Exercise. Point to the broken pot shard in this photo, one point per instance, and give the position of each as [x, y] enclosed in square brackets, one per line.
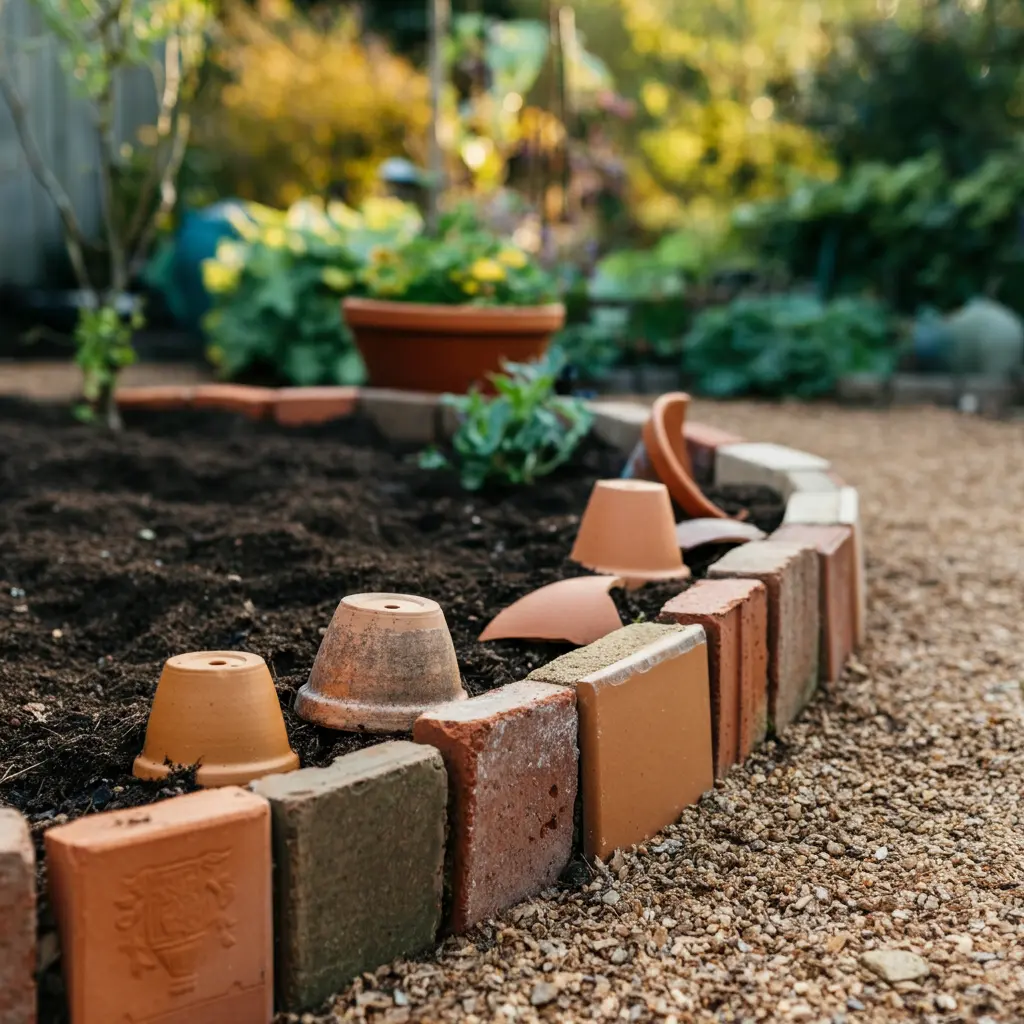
[692, 533]
[218, 710]
[577, 611]
[661, 455]
[384, 660]
[628, 530]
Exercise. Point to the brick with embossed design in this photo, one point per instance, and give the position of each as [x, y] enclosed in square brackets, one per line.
[164, 912]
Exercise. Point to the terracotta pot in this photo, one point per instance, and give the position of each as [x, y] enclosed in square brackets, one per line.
[628, 530]
[662, 455]
[217, 709]
[417, 347]
[694, 533]
[577, 610]
[384, 660]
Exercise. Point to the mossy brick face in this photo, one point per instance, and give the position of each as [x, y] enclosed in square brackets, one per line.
[164, 911]
[644, 707]
[359, 857]
[734, 614]
[513, 767]
[837, 563]
[17, 921]
[790, 573]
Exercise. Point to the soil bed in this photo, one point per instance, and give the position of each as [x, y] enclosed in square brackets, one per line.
[205, 532]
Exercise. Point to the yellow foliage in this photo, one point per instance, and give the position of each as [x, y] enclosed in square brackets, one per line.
[305, 108]
[487, 271]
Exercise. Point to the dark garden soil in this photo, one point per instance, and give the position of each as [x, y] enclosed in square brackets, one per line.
[206, 532]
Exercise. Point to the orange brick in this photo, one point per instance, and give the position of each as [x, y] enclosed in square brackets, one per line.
[156, 396]
[837, 564]
[164, 912]
[734, 614]
[249, 401]
[645, 729]
[298, 407]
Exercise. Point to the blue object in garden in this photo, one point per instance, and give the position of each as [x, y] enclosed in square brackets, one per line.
[176, 271]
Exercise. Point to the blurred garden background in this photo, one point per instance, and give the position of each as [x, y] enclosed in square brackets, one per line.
[744, 197]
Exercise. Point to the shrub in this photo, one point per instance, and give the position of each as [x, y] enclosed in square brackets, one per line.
[466, 264]
[523, 432]
[277, 293]
[786, 345]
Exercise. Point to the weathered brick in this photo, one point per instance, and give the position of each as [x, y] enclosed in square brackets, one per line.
[512, 766]
[359, 856]
[298, 407]
[411, 417]
[734, 614]
[790, 572]
[838, 508]
[762, 463]
[837, 578]
[702, 443]
[619, 424]
[644, 706]
[241, 398]
[156, 396]
[17, 920]
[801, 481]
[164, 912]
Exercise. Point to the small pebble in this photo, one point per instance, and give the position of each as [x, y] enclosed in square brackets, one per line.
[146, 534]
[611, 897]
[57, 634]
[795, 812]
[543, 993]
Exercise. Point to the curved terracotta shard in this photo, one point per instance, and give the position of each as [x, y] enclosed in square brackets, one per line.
[665, 450]
[692, 533]
[384, 660]
[578, 611]
[628, 530]
[218, 710]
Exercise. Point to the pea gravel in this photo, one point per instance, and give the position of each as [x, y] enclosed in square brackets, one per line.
[889, 820]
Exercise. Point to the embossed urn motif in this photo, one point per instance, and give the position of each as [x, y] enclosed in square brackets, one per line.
[170, 912]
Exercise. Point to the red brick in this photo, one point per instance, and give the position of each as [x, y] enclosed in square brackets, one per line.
[156, 396]
[241, 398]
[297, 407]
[164, 912]
[645, 729]
[837, 562]
[734, 614]
[790, 572]
[702, 441]
[17, 921]
[512, 766]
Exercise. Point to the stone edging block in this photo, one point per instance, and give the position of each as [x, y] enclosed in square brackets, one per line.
[17, 920]
[645, 729]
[358, 861]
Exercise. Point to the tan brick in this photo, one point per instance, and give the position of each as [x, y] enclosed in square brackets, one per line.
[410, 417]
[17, 920]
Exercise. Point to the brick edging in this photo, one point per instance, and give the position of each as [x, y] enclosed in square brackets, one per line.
[733, 656]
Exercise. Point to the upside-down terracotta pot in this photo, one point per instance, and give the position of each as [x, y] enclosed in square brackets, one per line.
[661, 455]
[384, 660]
[418, 347]
[578, 610]
[218, 710]
[628, 530]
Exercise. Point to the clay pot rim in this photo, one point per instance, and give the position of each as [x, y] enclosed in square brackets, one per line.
[214, 775]
[452, 319]
[350, 715]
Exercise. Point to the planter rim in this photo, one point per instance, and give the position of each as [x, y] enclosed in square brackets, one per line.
[412, 316]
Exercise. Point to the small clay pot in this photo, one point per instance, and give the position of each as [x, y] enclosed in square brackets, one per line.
[628, 530]
[413, 346]
[384, 660]
[578, 610]
[218, 710]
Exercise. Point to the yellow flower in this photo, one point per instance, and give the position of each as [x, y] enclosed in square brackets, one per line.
[242, 224]
[514, 258]
[470, 287]
[336, 279]
[297, 244]
[275, 238]
[218, 278]
[488, 271]
[344, 216]
[231, 254]
[380, 256]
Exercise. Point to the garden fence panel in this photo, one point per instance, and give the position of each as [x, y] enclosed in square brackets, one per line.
[31, 245]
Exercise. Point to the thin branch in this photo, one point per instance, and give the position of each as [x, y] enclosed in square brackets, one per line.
[74, 238]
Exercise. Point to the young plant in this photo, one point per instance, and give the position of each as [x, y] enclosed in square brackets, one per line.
[523, 432]
[100, 42]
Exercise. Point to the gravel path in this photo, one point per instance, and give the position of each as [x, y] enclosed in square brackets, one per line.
[890, 818]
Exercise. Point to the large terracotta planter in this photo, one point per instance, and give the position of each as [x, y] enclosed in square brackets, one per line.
[418, 347]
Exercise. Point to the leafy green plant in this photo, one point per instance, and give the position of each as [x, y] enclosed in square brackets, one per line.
[103, 340]
[786, 345]
[464, 264]
[277, 292]
[523, 432]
